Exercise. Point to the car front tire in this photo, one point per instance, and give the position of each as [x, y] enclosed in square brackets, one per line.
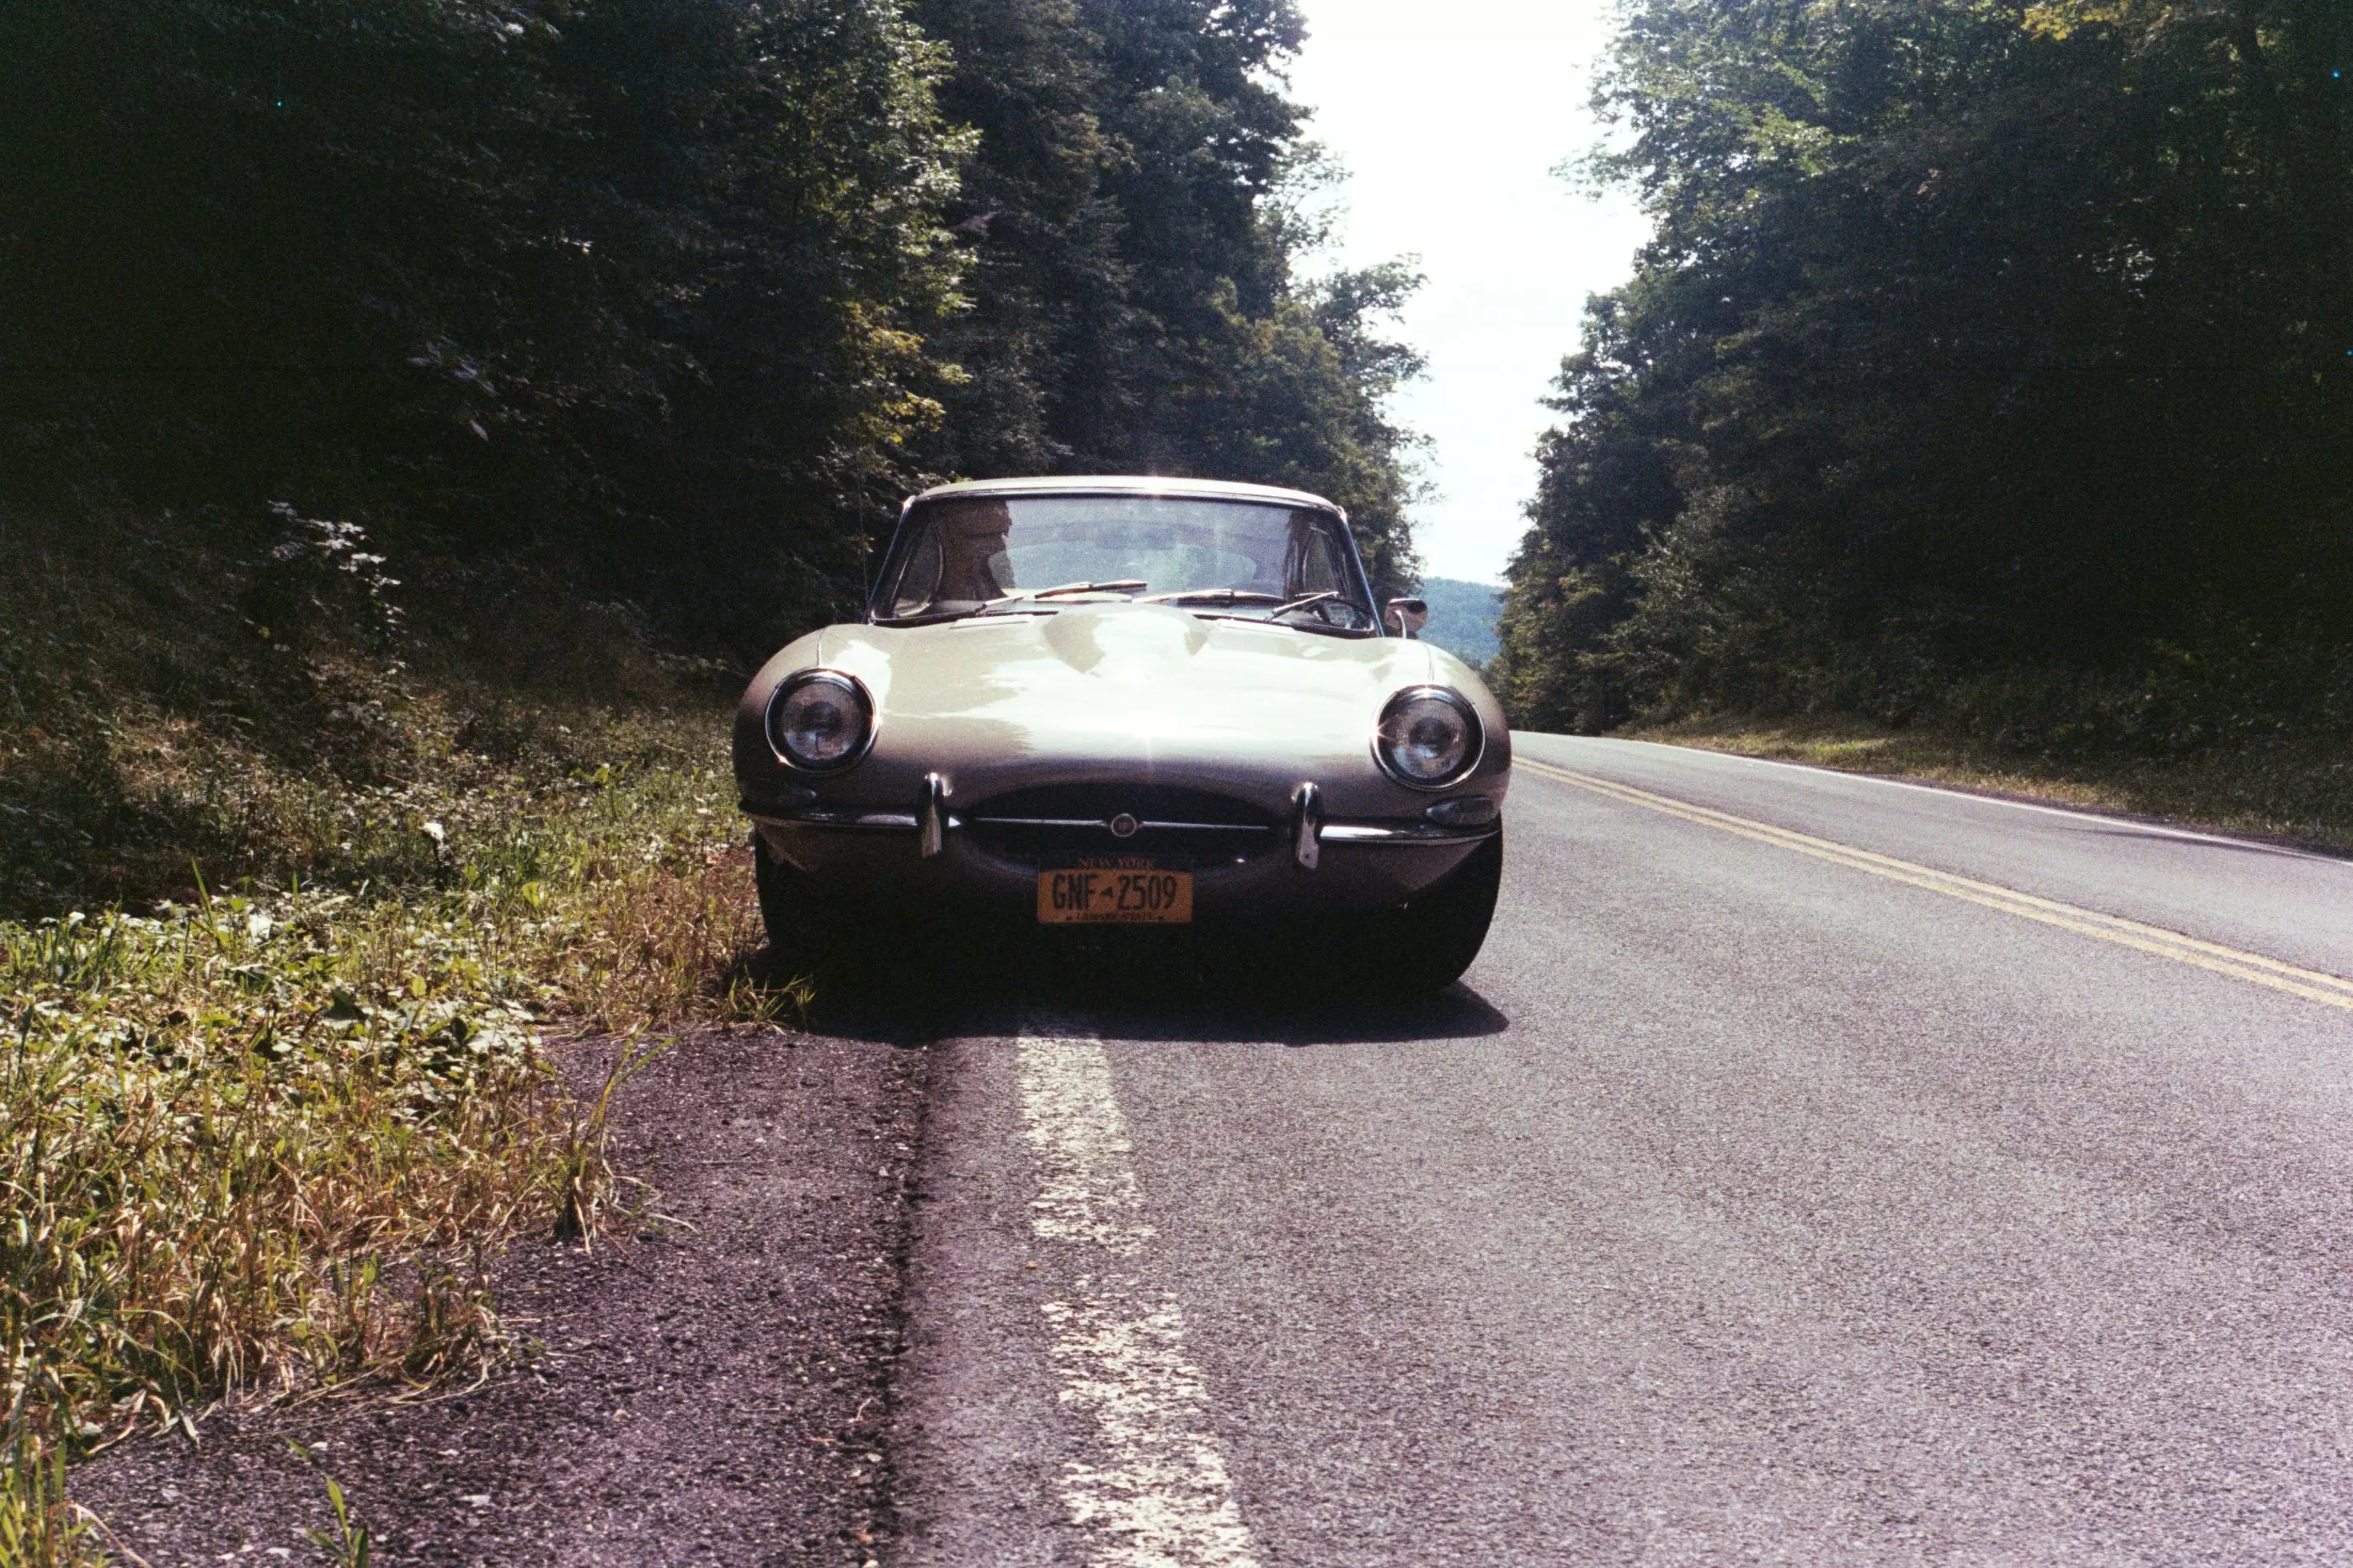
[1428, 944]
[816, 935]
[800, 922]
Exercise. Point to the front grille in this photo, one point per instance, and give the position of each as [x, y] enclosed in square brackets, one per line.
[1057, 823]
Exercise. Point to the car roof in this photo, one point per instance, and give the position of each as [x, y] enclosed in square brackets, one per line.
[1128, 484]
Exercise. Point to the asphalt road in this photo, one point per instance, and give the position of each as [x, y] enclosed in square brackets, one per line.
[1811, 1170]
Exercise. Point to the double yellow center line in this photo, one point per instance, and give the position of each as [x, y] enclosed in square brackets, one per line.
[2309, 983]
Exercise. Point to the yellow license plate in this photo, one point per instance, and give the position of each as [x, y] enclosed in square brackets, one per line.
[1100, 895]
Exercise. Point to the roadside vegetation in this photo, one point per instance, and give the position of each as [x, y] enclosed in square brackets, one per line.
[1986, 377]
[298, 914]
[2298, 791]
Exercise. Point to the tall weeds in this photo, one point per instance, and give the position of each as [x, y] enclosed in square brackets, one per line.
[264, 1142]
[267, 1139]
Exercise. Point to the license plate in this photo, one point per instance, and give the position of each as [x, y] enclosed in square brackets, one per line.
[1114, 895]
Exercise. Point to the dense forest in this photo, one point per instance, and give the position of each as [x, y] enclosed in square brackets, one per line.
[1989, 364]
[683, 294]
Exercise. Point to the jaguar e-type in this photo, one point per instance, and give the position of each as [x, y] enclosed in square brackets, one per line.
[1142, 702]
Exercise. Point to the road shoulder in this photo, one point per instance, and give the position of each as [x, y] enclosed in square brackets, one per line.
[715, 1389]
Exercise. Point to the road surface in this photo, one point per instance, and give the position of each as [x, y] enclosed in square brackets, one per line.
[1813, 1168]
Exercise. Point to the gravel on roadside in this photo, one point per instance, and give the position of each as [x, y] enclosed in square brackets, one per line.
[713, 1389]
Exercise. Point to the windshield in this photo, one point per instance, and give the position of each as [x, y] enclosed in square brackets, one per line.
[1020, 554]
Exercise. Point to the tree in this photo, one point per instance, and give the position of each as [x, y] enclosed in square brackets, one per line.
[641, 280]
[1133, 299]
[1978, 350]
[683, 293]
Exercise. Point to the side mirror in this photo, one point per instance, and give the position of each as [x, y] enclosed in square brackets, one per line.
[1408, 616]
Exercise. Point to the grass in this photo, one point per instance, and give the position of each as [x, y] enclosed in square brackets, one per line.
[293, 913]
[39, 1525]
[2294, 788]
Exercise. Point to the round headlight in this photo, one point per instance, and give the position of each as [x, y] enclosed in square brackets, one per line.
[1429, 737]
[821, 721]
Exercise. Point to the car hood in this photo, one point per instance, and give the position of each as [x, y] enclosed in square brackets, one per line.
[1125, 690]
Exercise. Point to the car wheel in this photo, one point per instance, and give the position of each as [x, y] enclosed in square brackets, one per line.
[1428, 944]
[795, 914]
[840, 944]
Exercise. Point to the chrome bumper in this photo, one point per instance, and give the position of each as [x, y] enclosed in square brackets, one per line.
[1304, 844]
[880, 854]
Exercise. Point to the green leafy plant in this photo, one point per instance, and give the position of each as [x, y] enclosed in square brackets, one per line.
[346, 1545]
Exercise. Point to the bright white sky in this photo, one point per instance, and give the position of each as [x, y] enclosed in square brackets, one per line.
[1451, 115]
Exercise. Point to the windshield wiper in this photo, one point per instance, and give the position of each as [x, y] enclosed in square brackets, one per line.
[1284, 609]
[1281, 606]
[1306, 601]
[1214, 596]
[971, 608]
[1115, 585]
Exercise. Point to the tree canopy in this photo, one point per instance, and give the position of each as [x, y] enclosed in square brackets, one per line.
[686, 292]
[1986, 360]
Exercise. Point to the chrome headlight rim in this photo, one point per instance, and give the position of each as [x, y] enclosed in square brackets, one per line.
[800, 681]
[1475, 747]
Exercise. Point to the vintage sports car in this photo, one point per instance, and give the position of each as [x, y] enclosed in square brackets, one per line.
[1135, 702]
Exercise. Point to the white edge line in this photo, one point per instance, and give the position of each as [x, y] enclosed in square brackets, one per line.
[1948, 791]
[1154, 1492]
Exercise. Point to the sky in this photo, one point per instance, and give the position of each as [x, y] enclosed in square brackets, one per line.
[1449, 116]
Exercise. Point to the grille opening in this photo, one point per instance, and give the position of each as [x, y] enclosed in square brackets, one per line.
[1061, 823]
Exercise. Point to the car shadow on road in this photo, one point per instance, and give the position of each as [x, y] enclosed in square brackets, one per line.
[1127, 991]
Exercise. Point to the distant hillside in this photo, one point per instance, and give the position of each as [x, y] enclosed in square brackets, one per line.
[1462, 617]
